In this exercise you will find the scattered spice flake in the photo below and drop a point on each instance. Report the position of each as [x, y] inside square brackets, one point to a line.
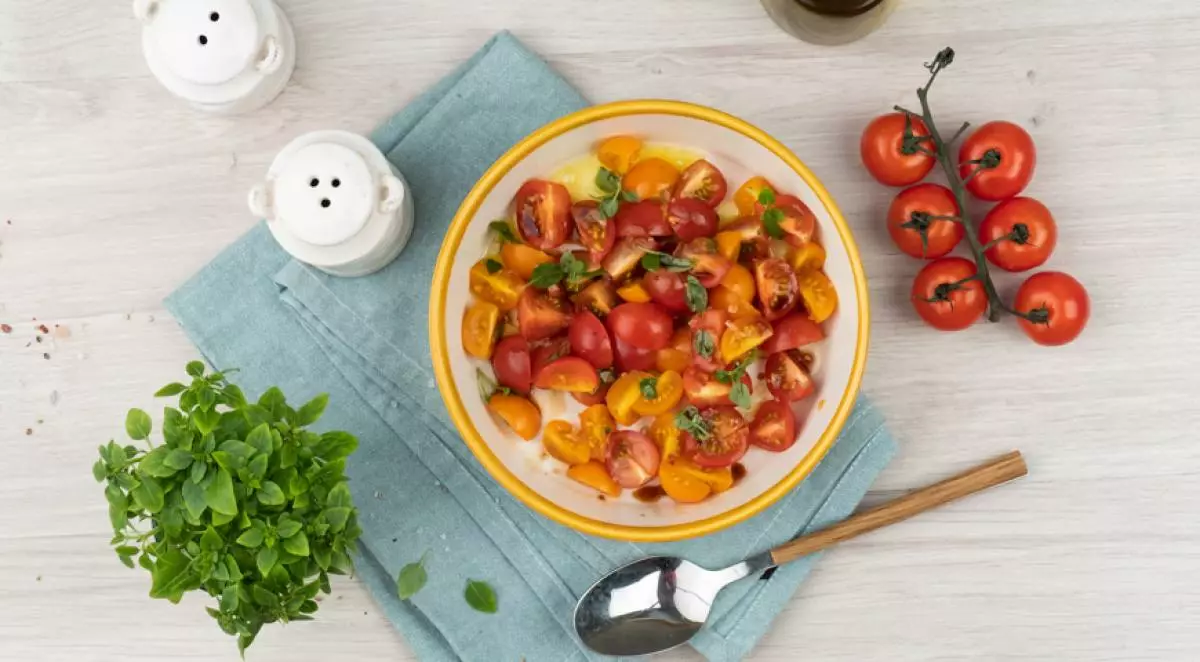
[46, 356]
[40, 421]
[820, 404]
[53, 397]
[39, 577]
[28, 432]
[5, 328]
[38, 338]
[43, 328]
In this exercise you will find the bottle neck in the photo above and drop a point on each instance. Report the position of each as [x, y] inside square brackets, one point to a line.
[841, 8]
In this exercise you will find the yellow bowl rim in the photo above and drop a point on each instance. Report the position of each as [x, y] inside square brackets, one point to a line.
[441, 356]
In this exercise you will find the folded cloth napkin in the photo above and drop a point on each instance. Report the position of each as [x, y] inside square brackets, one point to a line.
[417, 486]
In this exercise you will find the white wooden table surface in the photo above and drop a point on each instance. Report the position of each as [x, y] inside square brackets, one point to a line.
[112, 193]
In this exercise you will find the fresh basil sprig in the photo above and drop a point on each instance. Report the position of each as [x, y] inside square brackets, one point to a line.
[609, 184]
[696, 295]
[503, 231]
[655, 260]
[704, 344]
[740, 394]
[569, 268]
[649, 387]
[772, 216]
[690, 421]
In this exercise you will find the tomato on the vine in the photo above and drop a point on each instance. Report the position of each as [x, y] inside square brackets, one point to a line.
[1021, 233]
[691, 218]
[1008, 150]
[543, 211]
[596, 233]
[947, 294]
[1057, 306]
[892, 152]
[701, 181]
[774, 426]
[589, 340]
[910, 222]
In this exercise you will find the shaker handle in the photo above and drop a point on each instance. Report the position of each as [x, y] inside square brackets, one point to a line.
[144, 10]
[393, 194]
[260, 201]
[272, 56]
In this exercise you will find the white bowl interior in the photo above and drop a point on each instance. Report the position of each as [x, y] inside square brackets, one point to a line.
[739, 157]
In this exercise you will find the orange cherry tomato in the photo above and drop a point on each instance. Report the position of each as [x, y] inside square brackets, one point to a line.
[740, 281]
[818, 294]
[518, 413]
[571, 374]
[565, 444]
[660, 395]
[681, 485]
[742, 336]
[665, 434]
[595, 475]
[623, 395]
[490, 281]
[619, 152]
[599, 298]
[479, 329]
[729, 244]
[724, 299]
[522, 259]
[809, 257]
[676, 356]
[634, 293]
[746, 197]
[651, 179]
[595, 424]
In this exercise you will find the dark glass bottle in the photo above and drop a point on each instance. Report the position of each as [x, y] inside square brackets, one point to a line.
[829, 22]
[845, 8]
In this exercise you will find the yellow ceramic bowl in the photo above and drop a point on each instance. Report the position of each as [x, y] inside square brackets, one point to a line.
[740, 150]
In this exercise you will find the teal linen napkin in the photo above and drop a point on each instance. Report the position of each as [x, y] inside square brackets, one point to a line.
[417, 486]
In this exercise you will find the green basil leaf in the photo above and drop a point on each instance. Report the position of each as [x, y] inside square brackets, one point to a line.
[339, 495]
[503, 231]
[609, 207]
[546, 275]
[244, 641]
[766, 197]
[697, 296]
[652, 261]
[412, 579]
[260, 438]
[265, 560]
[492, 265]
[312, 410]
[297, 544]
[271, 494]
[288, 528]
[206, 421]
[206, 398]
[649, 388]
[219, 494]
[211, 541]
[154, 463]
[335, 445]
[226, 461]
[149, 495]
[771, 219]
[221, 519]
[252, 537]
[174, 388]
[323, 557]
[178, 459]
[703, 344]
[258, 466]
[232, 396]
[480, 596]
[193, 499]
[337, 518]
[137, 424]
[229, 599]
[264, 597]
[740, 395]
[99, 471]
[195, 368]
[607, 180]
[629, 196]
[287, 456]
[171, 573]
[196, 473]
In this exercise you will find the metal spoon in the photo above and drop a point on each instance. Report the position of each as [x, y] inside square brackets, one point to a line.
[661, 602]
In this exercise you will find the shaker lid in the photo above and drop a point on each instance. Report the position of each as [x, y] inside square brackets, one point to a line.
[325, 193]
[204, 42]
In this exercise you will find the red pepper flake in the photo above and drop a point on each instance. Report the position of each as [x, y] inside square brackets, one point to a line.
[43, 328]
[5, 328]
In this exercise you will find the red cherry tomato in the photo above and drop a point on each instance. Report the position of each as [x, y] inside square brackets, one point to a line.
[794, 331]
[1061, 304]
[540, 314]
[596, 233]
[787, 375]
[701, 181]
[628, 358]
[710, 266]
[643, 325]
[668, 289]
[546, 352]
[1022, 233]
[570, 373]
[512, 364]
[543, 213]
[589, 340]
[626, 255]
[691, 219]
[726, 442]
[909, 218]
[1016, 158]
[607, 377]
[632, 458]
[711, 322]
[778, 289]
[887, 157]
[703, 389]
[799, 222]
[774, 427]
[645, 218]
[941, 297]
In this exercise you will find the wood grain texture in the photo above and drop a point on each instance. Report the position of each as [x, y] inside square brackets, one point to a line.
[116, 193]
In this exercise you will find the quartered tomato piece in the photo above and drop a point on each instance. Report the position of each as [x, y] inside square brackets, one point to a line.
[624, 394]
[701, 181]
[787, 375]
[659, 394]
[479, 328]
[627, 357]
[740, 281]
[595, 475]
[819, 296]
[589, 340]
[512, 364]
[681, 485]
[795, 330]
[720, 439]
[707, 329]
[546, 352]
[570, 373]
[705, 390]
[632, 458]
[543, 213]
[777, 288]
[774, 426]
[596, 424]
[743, 335]
[634, 292]
[799, 222]
[729, 244]
[626, 255]
[651, 179]
[646, 218]
[642, 325]
[490, 281]
[596, 233]
[599, 297]
[809, 257]
[619, 152]
[747, 228]
[709, 265]
[541, 315]
[725, 299]
[665, 434]
[691, 218]
[518, 413]
[746, 197]
[667, 289]
[522, 259]
[565, 444]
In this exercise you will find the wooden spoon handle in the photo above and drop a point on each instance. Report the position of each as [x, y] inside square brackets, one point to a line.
[999, 470]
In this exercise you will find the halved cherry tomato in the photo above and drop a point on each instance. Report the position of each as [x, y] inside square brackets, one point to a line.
[726, 441]
[787, 377]
[707, 329]
[1022, 234]
[704, 390]
[596, 424]
[667, 390]
[618, 153]
[540, 314]
[676, 356]
[522, 259]
[667, 289]
[795, 330]
[565, 444]
[571, 374]
[729, 244]
[626, 255]
[709, 266]
[723, 298]
[665, 434]
[543, 213]
[691, 218]
[512, 364]
[595, 475]
[627, 357]
[546, 352]
[589, 340]
[607, 377]
[624, 394]
[500, 286]
[643, 325]
[632, 458]
[747, 228]
[777, 287]
[774, 426]
[645, 218]
[740, 281]
[743, 335]
[596, 233]
[479, 328]
[599, 297]
[634, 293]
[818, 294]
[746, 197]
[1016, 154]
[809, 257]
[887, 156]
[799, 223]
[518, 413]
[701, 181]
[680, 485]
[651, 179]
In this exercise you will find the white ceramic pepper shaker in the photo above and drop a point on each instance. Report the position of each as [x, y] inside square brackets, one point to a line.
[222, 56]
[332, 200]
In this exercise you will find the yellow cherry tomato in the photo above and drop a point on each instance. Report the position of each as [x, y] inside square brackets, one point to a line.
[595, 475]
[680, 484]
[479, 329]
[741, 281]
[596, 423]
[667, 391]
[729, 245]
[718, 479]
[564, 443]
[809, 257]
[618, 153]
[819, 296]
[498, 285]
[743, 335]
[522, 259]
[651, 178]
[746, 197]
[634, 293]
[623, 395]
[519, 413]
[723, 298]
[665, 434]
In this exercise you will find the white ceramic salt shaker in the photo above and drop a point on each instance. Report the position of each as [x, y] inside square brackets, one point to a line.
[223, 56]
[332, 200]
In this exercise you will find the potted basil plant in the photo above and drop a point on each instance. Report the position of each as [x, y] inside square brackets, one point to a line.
[240, 501]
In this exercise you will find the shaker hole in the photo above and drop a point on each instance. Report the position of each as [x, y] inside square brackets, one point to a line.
[214, 17]
[203, 40]
[336, 183]
[325, 203]
[315, 182]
